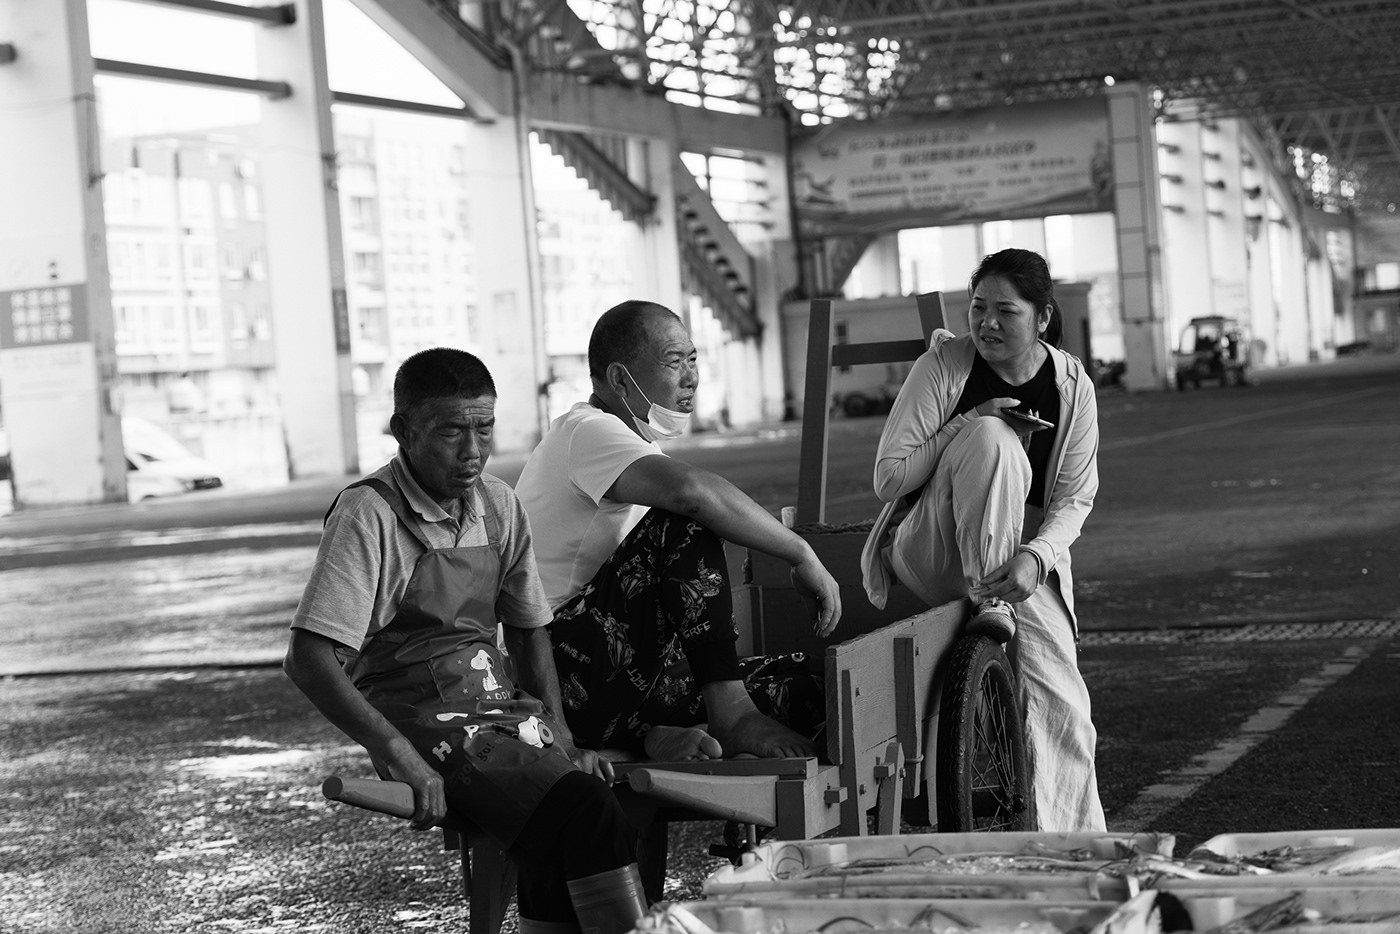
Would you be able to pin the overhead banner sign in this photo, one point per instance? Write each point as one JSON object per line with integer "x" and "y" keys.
{"x": 999, "y": 163}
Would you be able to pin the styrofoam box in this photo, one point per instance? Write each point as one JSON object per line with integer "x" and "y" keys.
{"x": 1243, "y": 844}
{"x": 863, "y": 915}
{"x": 785, "y": 868}
{"x": 1370, "y": 909}
{"x": 1235, "y": 845}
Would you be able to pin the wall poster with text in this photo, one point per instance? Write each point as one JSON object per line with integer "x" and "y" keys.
{"x": 997, "y": 163}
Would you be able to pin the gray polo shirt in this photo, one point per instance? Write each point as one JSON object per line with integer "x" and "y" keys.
{"x": 367, "y": 557}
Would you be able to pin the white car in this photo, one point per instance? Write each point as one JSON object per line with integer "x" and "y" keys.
{"x": 159, "y": 465}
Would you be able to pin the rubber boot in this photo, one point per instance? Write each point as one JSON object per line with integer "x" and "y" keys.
{"x": 610, "y": 902}
{"x": 530, "y": 926}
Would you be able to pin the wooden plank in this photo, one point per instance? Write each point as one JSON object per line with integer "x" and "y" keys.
{"x": 748, "y": 608}
{"x": 748, "y": 799}
{"x": 906, "y": 711}
{"x": 785, "y": 768}
{"x": 868, "y": 662}
{"x": 876, "y": 352}
{"x": 889, "y": 775}
{"x": 860, "y": 730}
{"x": 782, "y": 623}
{"x": 747, "y": 599}
{"x": 816, "y": 403}
{"x": 932, "y": 313}
{"x": 372, "y": 794}
{"x": 839, "y": 551}
{"x": 808, "y": 808}
{"x": 736, "y": 564}
{"x": 849, "y": 760}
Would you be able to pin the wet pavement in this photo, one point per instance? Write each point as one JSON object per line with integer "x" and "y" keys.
{"x": 223, "y": 608}
{"x": 1239, "y": 592}
{"x": 1217, "y": 507}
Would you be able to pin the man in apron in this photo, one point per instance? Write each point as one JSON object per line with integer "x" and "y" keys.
{"x": 631, "y": 552}
{"x": 395, "y": 642}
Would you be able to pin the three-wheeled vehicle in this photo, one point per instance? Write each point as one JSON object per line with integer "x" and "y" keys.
{"x": 1213, "y": 348}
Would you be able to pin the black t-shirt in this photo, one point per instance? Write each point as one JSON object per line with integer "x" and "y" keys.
{"x": 1038, "y": 393}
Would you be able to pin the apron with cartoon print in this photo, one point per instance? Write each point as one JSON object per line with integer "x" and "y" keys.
{"x": 436, "y": 674}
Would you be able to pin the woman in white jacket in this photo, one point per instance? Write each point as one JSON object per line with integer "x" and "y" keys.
{"x": 984, "y": 503}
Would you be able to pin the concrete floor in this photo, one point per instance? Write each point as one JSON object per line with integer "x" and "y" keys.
{"x": 1239, "y": 589}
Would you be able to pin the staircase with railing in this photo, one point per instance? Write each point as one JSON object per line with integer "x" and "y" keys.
{"x": 552, "y": 38}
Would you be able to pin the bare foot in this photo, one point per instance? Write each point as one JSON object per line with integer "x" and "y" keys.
{"x": 674, "y": 743}
{"x": 767, "y": 738}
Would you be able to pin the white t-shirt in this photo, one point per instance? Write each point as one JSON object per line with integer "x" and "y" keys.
{"x": 562, "y": 488}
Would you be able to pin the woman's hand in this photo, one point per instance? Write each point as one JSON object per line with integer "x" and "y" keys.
{"x": 1014, "y": 581}
{"x": 994, "y": 406}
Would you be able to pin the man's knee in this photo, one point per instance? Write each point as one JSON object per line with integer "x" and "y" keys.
{"x": 596, "y": 823}
{"x": 678, "y": 530}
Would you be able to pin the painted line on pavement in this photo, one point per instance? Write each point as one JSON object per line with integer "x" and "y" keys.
{"x": 1239, "y": 419}
{"x": 1175, "y": 787}
{"x": 1264, "y": 631}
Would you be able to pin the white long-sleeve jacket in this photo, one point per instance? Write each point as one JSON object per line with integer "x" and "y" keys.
{"x": 919, "y": 430}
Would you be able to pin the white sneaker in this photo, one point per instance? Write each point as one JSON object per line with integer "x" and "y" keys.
{"x": 994, "y": 618}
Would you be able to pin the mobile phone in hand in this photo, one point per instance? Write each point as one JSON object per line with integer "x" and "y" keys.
{"x": 1028, "y": 415}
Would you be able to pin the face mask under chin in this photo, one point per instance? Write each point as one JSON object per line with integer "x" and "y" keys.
{"x": 661, "y": 423}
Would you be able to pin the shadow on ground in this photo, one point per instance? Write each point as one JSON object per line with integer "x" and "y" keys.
{"x": 190, "y": 801}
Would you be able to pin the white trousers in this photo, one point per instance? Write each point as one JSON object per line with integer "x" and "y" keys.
{"x": 968, "y": 523}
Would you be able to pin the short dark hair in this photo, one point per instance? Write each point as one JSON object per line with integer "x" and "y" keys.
{"x": 620, "y": 335}
{"x": 1029, "y": 275}
{"x": 440, "y": 373}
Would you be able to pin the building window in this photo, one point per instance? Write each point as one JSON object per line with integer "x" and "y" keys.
{"x": 204, "y": 335}
{"x": 366, "y": 264}
{"x": 371, "y": 319}
{"x": 261, "y": 321}
{"x": 238, "y": 321}
{"x": 252, "y": 200}
{"x": 113, "y": 195}
{"x": 127, "y": 326}
{"x": 199, "y": 262}
{"x": 165, "y": 333}
{"x": 228, "y": 201}
{"x": 134, "y": 201}
{"x": 1383, "y": 277}
{"x": 232, "y": 263}
{"x": 362, "y": 211}
{"x": 196, "y": 202}
{"x": 119, "y": 261}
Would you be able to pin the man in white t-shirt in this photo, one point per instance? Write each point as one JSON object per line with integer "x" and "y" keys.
{"x": 630, "y": 547}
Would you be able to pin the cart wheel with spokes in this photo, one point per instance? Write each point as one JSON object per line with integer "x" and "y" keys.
{"x": 983, "y": 779}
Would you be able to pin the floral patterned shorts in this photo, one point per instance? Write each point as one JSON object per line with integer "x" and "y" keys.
{"x": 657, "y": 621}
